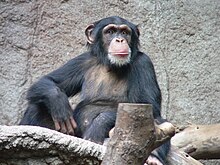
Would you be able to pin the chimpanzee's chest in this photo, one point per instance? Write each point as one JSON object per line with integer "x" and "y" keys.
{"x": 103, "y": 85}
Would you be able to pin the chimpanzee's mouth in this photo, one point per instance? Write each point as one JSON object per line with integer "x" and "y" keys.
{"x": 120, "y": 54}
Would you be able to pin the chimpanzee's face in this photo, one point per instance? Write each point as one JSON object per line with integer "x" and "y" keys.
{"x": 116, "y": 39}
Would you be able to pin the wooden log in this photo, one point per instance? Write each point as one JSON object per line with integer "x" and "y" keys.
{"x": 26, "y": 144}
{"x": 176, "y": 157}
{"x": 31, "y": 142}
{"x": 135, "y": 135}
{"x": 199, "y": 141}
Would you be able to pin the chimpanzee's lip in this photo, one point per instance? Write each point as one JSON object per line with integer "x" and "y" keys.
{"x": 121, "y": 54}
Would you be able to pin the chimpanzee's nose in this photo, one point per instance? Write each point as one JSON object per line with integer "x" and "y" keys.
{"x": 119, "y": 39}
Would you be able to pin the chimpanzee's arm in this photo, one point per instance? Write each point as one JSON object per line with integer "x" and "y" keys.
{"x": 51, "y": 92}
{"x": 145, "y": 89}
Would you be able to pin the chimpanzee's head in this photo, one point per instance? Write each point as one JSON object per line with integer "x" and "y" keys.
{"x": 113, "y": 40}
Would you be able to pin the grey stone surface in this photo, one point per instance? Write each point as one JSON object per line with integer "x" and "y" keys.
{"x": 182, "y": 38}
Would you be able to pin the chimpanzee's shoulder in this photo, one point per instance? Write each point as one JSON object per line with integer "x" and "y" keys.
{"x": 143, "y": 58}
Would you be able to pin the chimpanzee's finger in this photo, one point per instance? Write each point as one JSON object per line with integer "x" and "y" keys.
{"x": 56, "y": 124}
{"x": 70, "y": 129}
{"x": 63, "y": 128}
{"x": 73, "y": 122}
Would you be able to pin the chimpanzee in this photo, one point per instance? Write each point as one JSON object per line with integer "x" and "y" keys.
{"x": 112, "y": 71}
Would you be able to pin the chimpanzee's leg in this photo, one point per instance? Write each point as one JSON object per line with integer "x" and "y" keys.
{"x": 99, "y": 128}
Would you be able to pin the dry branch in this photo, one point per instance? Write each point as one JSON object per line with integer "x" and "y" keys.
{"x": 133, "y": 136}
{"x": 176, "y": 157}
{"x": 136, "y": 136}
{"x": 31, "y": 141}
{"x": 136, "y": 133}
{"x": 200, "y": 141}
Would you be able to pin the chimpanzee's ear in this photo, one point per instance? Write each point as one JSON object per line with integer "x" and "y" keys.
{"x": 88, "y": 32}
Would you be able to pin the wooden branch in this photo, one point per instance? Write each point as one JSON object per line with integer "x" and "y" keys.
{"x": 200, "y": 141}
{"x": 135, "y": 135}
{"x": 176, "y": 157}
{"x": 24, "y": 142}
{"x": 163, "y": 133}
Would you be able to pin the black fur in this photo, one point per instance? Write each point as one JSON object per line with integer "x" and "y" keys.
{"x": 101, "y": 85}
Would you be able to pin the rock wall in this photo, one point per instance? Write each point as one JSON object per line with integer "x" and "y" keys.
{"x": 182, "y": 37}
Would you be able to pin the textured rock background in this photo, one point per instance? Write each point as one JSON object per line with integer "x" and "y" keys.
{"x": 182, "y": 37}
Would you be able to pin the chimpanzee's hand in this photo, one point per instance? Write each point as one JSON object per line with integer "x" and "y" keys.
{"x": 153, "y": 161}
{"x": 61, "y": 111}
{"x": 65, "y": 126}
{"x": 63, "y": 119}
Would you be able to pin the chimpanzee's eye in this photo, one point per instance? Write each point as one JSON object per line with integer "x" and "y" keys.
{"x": 124, "y": 32}
{"x": 110, "y": 31}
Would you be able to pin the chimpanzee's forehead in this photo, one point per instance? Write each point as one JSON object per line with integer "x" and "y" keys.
{"x": 99, "y": 25}
{"x": 113, "y": 20}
